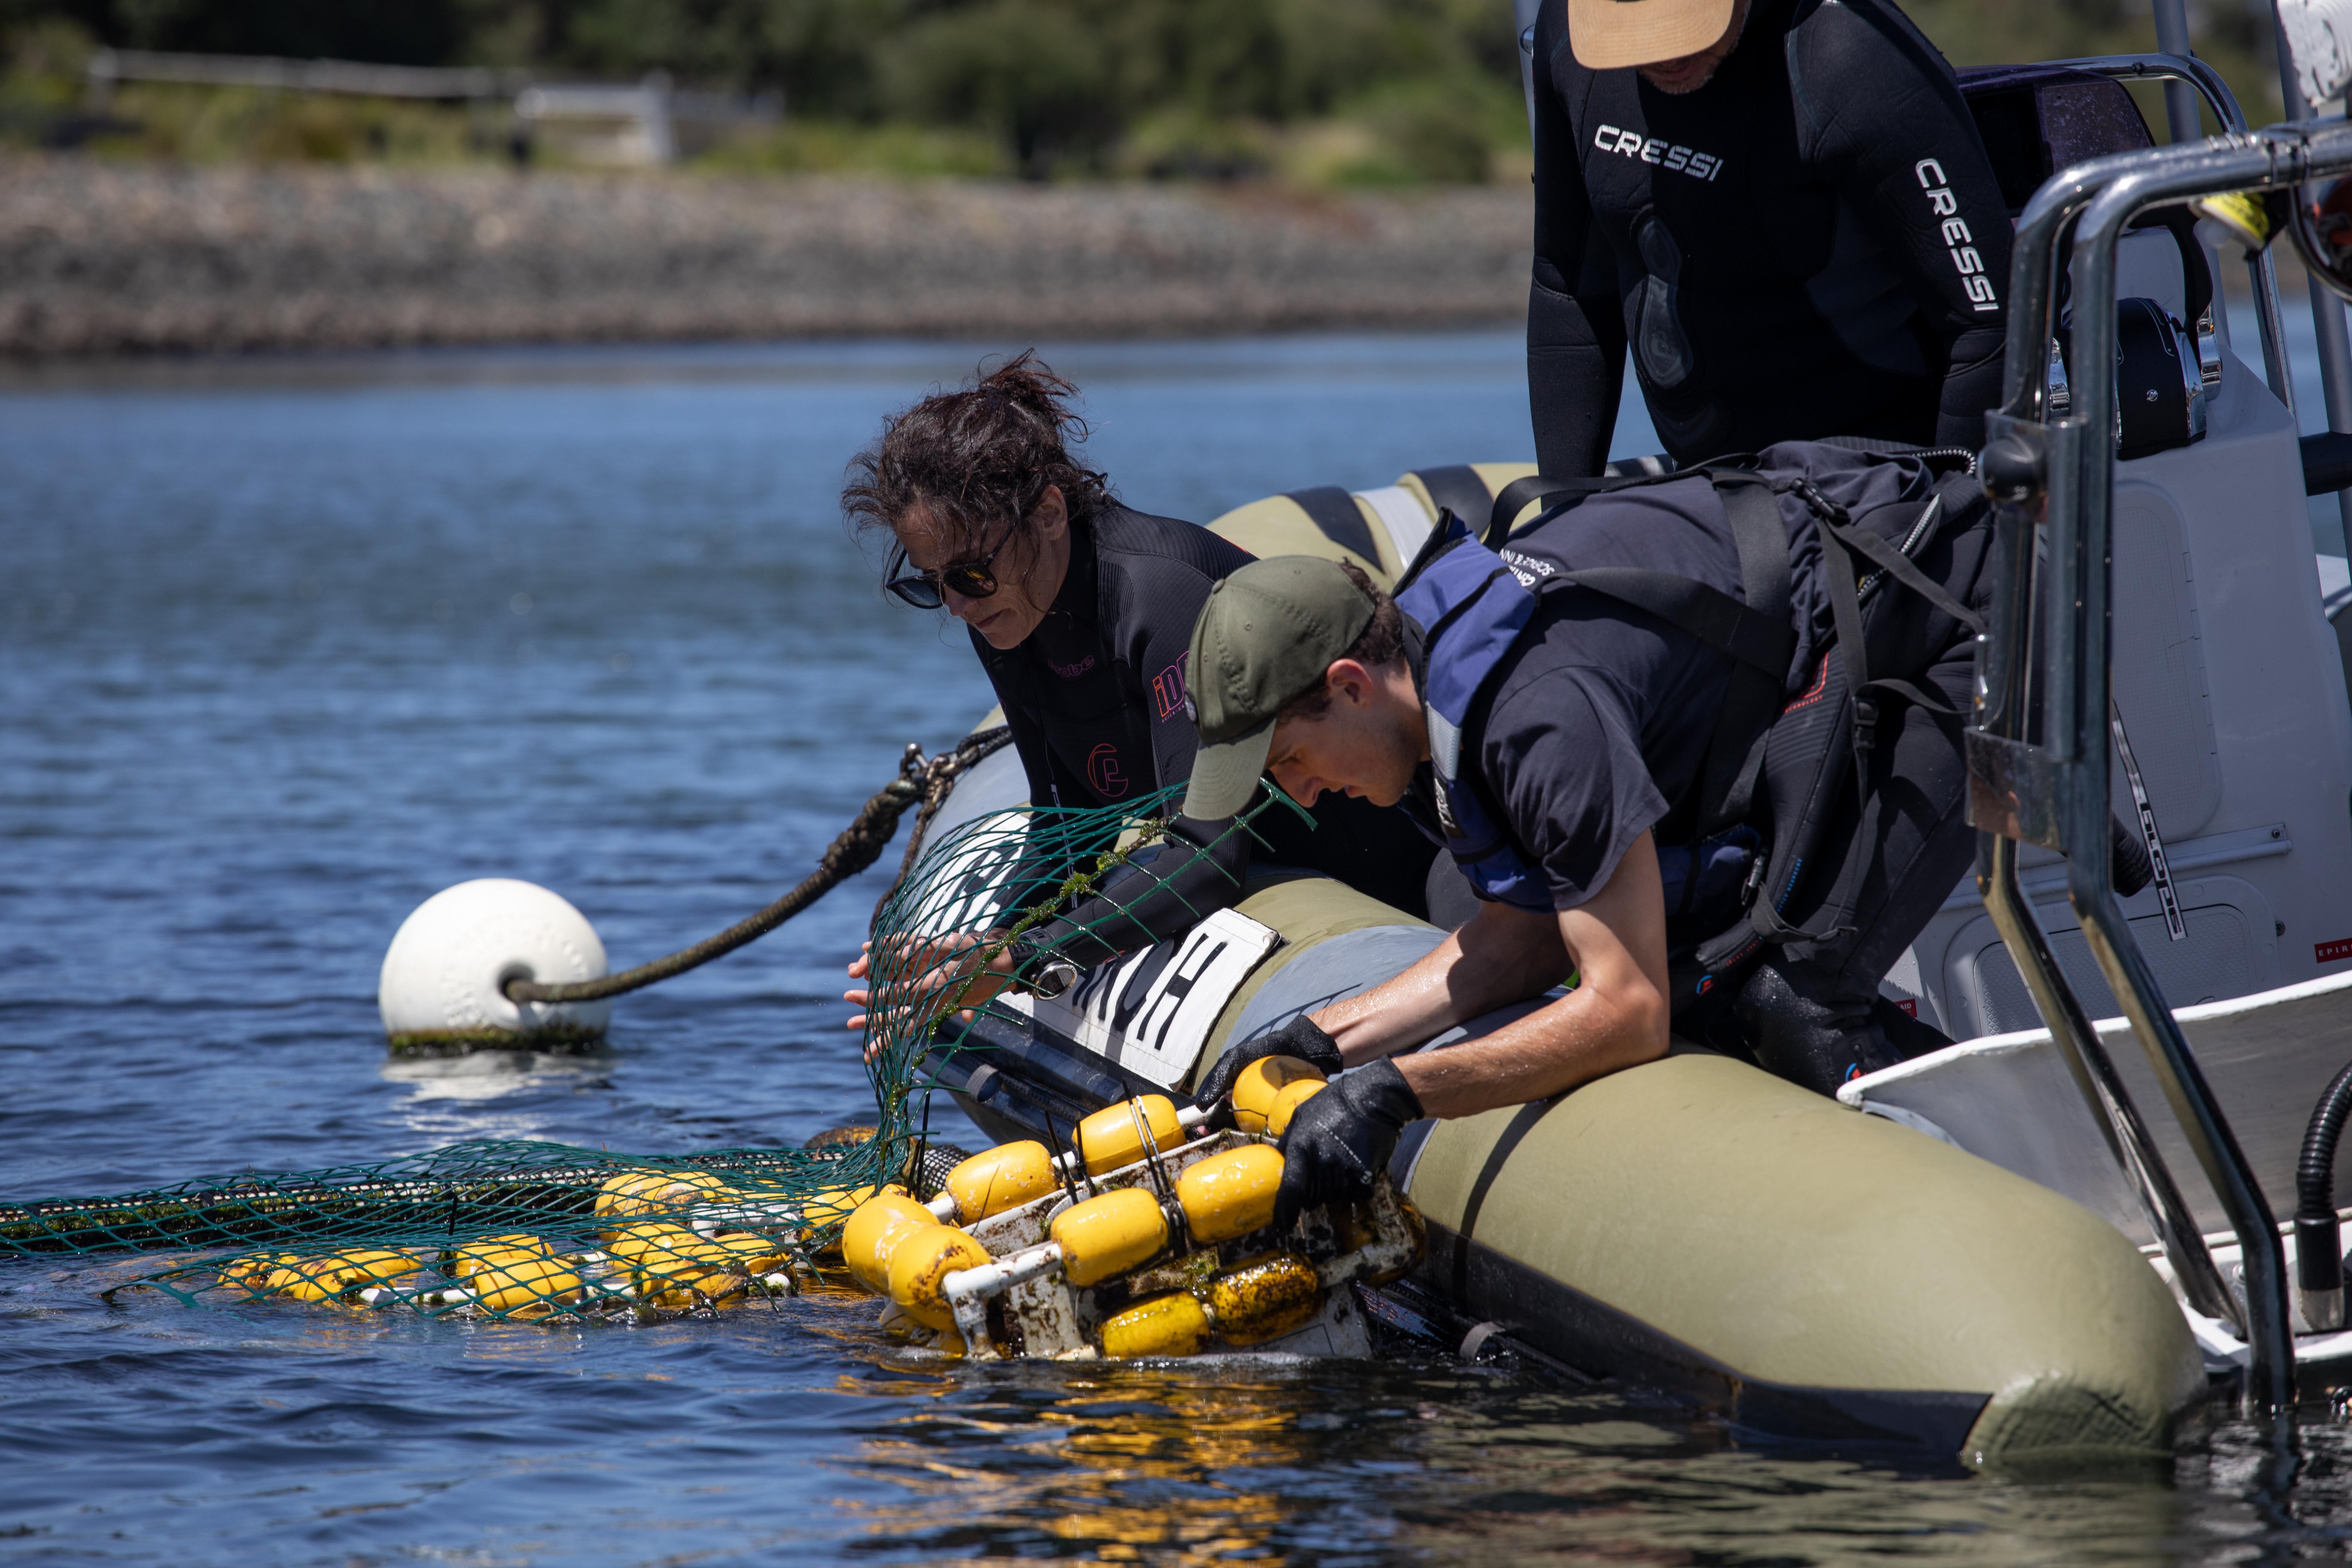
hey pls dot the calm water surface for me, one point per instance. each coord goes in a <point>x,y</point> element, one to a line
<point>284,650</point>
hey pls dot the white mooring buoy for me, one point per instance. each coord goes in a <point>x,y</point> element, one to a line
<point>443,976</point>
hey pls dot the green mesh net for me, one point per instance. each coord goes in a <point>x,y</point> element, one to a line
<point>538,1231</point>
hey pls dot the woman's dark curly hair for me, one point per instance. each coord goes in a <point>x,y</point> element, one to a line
<point>979,458</point>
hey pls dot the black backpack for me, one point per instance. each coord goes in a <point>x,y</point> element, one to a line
<point>1776,767</point>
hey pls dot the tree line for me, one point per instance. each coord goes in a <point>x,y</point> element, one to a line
<point>1428,89</point>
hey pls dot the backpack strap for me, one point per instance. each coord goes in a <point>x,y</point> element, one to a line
<point>1840,541</point>
<point>1755,633</point>
<point>1755,695</point>
<point>1513,498</point>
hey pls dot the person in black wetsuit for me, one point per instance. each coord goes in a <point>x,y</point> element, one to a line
<point>1795,226</point>
<point>1081,610</point>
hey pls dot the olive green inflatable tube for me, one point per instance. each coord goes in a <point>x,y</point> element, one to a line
<point>1700,1224</point>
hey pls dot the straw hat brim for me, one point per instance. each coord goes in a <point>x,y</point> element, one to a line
<point>1607,35</point>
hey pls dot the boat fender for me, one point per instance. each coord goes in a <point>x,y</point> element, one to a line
<point>1120,1135</point>
<point>867,1240</point>
<point>1001,1178</point>
<point>920,1264</point>
<point>1109,1234</point>
<point>443,979</point>
<point>1257,1087</point>
<point>1230,1195</point>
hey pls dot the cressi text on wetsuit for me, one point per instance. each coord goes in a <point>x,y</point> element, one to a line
<point>1811,245</point>
<point>1095,699</point>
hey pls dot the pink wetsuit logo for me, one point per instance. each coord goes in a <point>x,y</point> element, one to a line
<point>1167,690</point>
<point>1103,771</point>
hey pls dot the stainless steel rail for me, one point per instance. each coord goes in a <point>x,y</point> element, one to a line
<point>2326,309</point>
<point>2172,38</point>
<point>2060,474</point>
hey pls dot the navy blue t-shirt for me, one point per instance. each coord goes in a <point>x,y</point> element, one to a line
<point>1595,726</point>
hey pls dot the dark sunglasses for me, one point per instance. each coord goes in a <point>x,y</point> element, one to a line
<point>972,579</point>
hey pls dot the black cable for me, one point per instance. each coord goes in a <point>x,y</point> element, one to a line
<point>2318,1240</point>
<point>859,845</point>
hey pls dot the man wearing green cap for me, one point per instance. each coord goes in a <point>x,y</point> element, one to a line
<point>1555,713</point>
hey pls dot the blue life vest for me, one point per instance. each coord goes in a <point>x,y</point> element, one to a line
<point>1472,607</point>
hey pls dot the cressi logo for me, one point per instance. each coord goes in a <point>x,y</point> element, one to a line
<point>1959,242</point>
<point>1669,156</point>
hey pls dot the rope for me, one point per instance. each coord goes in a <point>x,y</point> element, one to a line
<point>859,845</point>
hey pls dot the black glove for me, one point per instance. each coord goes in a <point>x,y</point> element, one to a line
<point>1341,1138</point>
<point>1298,1037</point>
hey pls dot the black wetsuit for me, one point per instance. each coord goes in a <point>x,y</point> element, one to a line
<point>1812,245</point>
<point>1097,702</point>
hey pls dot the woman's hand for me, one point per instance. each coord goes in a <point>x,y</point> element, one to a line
<point>949,959</point>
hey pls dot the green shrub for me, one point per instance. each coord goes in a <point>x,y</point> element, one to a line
<point>1325,91</point>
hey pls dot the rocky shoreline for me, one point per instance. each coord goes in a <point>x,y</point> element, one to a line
<point>105,257</point>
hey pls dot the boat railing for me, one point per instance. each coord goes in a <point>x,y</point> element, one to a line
<point>2054,477</point>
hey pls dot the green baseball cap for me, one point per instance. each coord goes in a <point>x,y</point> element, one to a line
<point>1264,639</point>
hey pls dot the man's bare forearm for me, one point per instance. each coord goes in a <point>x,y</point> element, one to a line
<point>1580,1036</point>
<point>1502,956</point>
<point>1618,1015</point>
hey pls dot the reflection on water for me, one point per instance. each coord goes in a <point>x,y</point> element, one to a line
<point>452,1099</point>
<point>488,1075</point>
<point>1178,1463</point>
<point>1192,1464</point>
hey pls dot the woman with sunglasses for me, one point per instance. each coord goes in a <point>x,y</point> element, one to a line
<point>1081,610</point>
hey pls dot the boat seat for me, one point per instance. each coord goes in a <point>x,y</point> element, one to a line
<point>2036,119</point>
